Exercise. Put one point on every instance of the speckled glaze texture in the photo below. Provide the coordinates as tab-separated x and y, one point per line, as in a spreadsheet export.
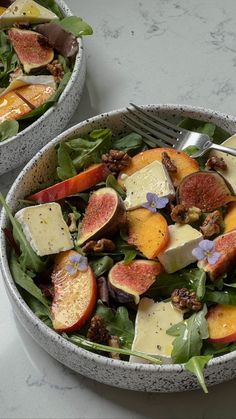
23	146
140	377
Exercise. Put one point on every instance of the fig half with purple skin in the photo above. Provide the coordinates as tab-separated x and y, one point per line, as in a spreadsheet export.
104	216
30	48
62	41
133	279
205	190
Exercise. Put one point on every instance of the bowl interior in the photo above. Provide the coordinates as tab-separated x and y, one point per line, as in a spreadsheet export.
41	169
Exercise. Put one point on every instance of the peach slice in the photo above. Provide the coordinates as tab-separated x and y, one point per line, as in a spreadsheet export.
147	231
75	295
185	164
19	102
230	218
221	321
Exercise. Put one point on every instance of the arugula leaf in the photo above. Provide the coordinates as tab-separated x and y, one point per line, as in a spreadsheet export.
130	254
65	169
118	324
216	133
89	150
188	336
111	182
131	143
196	365
76	25
25	281
8	59
221	297
165	284
8	129
92	346
101	265
190	150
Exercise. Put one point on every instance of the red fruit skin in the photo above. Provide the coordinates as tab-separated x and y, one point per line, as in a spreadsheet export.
75	296
76	184
226	246
221	318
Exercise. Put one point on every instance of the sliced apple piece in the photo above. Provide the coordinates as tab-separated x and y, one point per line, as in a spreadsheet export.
147	231
221	321
79	183
75	295
184	164
19	102
104	215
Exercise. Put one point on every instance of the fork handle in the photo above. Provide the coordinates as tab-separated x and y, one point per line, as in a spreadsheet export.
227	150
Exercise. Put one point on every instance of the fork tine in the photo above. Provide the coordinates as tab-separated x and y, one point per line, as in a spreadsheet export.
160	128
153	141
158	119
165	133
168	141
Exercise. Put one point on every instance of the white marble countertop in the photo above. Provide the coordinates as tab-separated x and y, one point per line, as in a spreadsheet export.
152	51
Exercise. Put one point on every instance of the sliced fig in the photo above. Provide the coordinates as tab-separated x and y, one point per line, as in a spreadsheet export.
205	190
63	42
133	279
226	246
104	216
31	48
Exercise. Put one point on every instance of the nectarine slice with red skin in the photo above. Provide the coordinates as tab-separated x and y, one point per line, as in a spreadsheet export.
221	321
75	295
226	246
148	232
185	164
79	183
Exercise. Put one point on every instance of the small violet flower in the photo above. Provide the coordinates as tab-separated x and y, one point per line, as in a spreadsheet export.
78	263
205	250
154	202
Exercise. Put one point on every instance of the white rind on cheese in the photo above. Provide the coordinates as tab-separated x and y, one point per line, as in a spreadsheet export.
230	173
152	178
45	228
178	254
25	11
152	322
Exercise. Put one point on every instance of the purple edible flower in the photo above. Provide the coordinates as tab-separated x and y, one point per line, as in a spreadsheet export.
205	250
154	202
78	263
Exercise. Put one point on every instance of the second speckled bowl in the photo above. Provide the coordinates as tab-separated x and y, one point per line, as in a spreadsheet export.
20	148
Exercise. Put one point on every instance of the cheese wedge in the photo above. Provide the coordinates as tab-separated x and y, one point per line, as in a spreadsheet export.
25	11
152	322
45	228
21	81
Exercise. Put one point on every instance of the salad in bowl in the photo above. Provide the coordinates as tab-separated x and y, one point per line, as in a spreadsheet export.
40	56
128	250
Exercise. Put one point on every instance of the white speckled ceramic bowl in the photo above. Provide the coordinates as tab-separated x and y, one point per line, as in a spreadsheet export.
20	148
142	377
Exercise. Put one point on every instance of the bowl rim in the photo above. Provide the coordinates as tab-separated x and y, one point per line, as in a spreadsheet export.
75	72
11	286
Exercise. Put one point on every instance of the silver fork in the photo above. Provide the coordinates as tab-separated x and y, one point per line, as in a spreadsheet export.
159	132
